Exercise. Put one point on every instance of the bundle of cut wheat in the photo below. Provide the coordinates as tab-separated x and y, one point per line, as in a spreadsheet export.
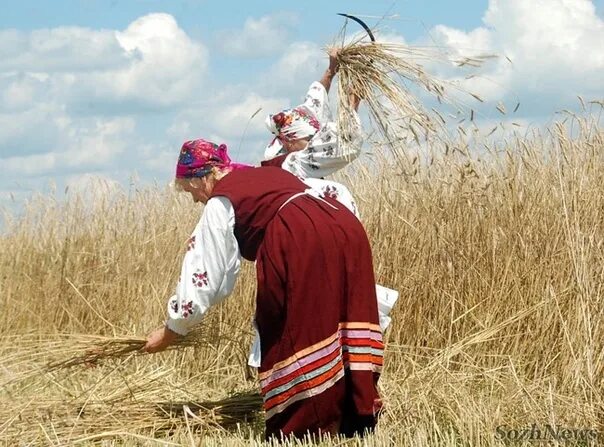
90	350
40	354
382	74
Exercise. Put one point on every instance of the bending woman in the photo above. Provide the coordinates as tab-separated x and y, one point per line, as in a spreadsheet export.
316	308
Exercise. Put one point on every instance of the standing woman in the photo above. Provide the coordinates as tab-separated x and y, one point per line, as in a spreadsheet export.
307	143
306	140
316	308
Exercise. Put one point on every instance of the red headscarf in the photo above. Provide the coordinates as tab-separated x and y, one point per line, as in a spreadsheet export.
198	158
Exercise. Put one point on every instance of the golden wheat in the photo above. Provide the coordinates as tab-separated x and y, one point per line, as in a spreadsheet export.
498	254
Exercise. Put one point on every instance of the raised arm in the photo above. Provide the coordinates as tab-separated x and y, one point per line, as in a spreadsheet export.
327	78
332	69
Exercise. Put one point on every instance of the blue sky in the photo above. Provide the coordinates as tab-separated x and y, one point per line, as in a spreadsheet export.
200	18
100	89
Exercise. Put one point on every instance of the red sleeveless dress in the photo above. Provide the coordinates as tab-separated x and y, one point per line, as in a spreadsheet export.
316	308
276	161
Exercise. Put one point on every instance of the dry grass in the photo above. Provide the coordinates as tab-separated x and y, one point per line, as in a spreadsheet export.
498	254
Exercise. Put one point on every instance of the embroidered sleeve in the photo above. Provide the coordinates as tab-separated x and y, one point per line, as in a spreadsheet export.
327	152
317	100
209	269
334	190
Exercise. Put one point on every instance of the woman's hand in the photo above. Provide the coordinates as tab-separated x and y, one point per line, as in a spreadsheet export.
332	69
160	339
334	65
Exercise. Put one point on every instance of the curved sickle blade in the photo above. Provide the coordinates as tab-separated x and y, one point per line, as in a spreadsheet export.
360	22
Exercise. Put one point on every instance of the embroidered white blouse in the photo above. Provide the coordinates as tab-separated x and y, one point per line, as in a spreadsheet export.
327	152
209	269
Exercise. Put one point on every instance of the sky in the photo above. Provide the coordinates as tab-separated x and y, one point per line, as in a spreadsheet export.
107	90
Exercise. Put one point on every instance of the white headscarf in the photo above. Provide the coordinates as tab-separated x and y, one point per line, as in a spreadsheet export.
290	124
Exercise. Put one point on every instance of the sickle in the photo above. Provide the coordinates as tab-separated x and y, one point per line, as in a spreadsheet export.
360	22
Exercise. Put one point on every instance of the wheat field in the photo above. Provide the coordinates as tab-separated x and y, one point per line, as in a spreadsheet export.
497	251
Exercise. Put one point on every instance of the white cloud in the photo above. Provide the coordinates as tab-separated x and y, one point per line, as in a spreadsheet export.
166	65
92	143
226	114
229	117
19	94
29	165
33	130
259	37
93	188
232	119
299	65
68	94
151	64
160	160
60	49
99	143
554	48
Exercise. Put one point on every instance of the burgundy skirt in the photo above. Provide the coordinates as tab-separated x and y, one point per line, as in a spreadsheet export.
317	316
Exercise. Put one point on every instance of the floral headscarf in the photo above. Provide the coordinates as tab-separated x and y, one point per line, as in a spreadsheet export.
198	158
291	124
